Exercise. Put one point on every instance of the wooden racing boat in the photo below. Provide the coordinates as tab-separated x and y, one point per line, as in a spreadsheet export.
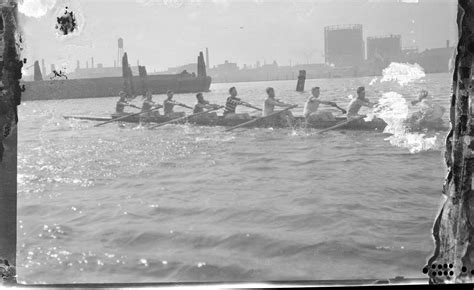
300	122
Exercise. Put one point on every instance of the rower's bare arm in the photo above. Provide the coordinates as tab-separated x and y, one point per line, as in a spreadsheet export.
279	103
328	103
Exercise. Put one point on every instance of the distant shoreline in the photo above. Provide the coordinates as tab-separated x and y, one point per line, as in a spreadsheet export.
295	79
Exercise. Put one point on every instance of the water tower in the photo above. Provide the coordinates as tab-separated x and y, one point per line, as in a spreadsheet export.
120	51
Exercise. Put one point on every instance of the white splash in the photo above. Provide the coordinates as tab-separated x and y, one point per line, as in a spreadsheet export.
393	109
403	73
35	8
373	81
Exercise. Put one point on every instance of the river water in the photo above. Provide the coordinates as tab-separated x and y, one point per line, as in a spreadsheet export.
188	203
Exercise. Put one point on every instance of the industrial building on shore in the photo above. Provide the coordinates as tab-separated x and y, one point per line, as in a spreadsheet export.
346	55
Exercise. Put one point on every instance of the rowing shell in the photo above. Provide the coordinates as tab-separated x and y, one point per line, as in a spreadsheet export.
374	125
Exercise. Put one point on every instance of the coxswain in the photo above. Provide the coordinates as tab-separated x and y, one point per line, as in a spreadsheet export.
270	103
231	104
356	104
427	111
169	104
311	106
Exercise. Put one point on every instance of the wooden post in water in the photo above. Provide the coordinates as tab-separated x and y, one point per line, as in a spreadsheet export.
9	100
143	78
452	228
127	77
301	80
37	76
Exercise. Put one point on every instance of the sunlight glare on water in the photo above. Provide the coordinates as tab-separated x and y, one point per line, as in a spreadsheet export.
190	203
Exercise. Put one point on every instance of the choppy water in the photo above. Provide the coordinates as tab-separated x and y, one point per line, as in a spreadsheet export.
187	203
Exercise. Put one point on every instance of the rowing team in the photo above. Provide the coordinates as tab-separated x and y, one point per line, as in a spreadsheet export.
427	111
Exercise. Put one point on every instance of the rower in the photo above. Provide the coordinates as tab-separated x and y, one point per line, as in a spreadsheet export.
270	103
428	112
231	105
202	105
148	105
122	103
168	105
311	106
356	104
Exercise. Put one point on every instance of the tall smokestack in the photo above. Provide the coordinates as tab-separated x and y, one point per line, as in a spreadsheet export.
207	58
447	43
43	67
78	65
201	67
92	62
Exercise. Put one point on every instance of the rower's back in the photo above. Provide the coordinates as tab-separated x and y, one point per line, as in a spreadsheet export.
168	106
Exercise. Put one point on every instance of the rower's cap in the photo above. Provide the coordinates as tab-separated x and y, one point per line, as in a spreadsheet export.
169	92
360	89
231	89
269	89
199	95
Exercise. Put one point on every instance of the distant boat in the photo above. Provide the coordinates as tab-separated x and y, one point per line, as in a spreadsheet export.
111	86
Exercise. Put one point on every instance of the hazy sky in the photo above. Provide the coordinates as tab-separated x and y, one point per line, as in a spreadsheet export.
165	33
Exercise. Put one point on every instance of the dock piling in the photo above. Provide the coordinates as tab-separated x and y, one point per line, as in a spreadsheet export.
301	80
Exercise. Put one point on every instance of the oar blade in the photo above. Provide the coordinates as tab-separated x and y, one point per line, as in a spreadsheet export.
260	118
124	117
183	118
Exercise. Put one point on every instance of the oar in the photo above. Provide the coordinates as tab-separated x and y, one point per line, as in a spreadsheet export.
252	107
183	118
342	110
133	106
183	105
340	124
260	118
123	117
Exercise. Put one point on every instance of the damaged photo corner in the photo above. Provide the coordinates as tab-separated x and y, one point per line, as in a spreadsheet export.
228	142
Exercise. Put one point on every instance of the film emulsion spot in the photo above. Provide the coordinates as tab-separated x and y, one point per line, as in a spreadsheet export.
110	146
464	269
66	23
